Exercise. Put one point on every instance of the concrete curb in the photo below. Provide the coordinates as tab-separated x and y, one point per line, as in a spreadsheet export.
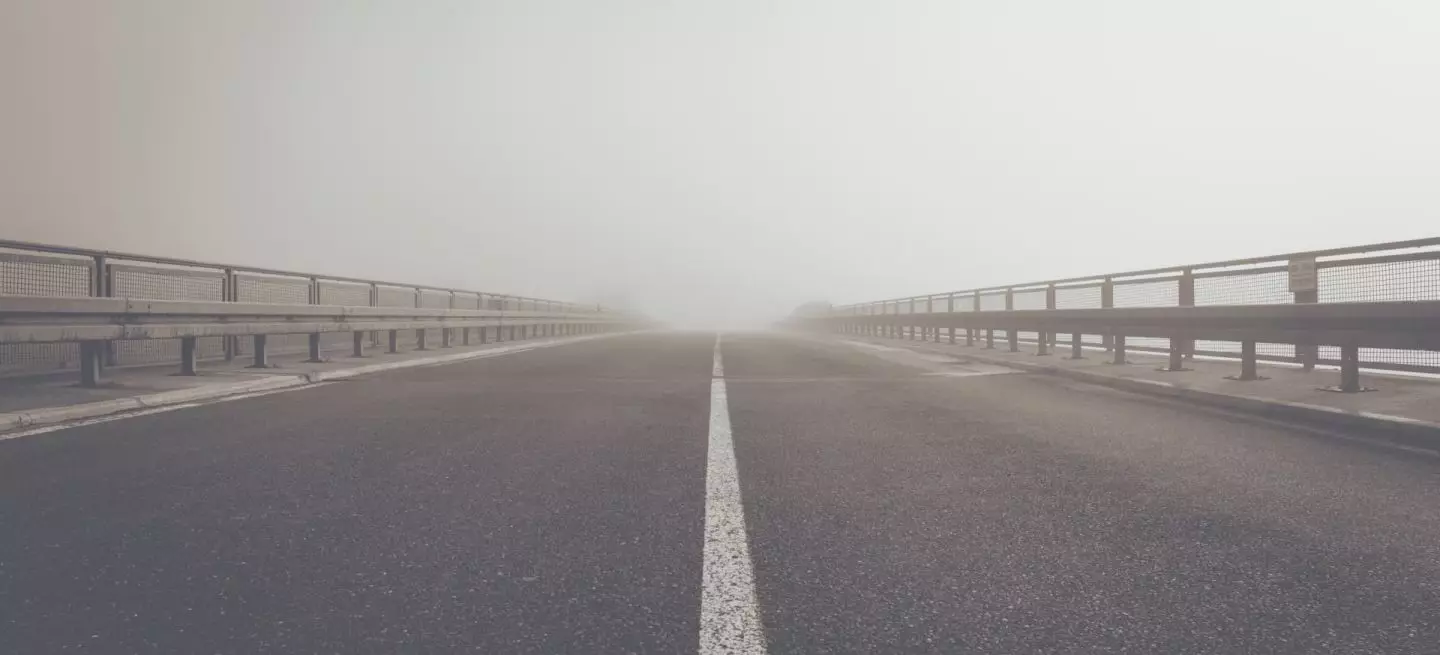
53	415
1400	430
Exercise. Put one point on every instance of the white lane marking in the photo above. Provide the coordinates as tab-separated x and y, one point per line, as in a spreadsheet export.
154	410
729	613
718	368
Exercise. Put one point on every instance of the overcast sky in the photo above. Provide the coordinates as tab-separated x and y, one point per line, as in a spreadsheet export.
718	162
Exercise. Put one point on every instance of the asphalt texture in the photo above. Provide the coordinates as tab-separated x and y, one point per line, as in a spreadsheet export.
553	502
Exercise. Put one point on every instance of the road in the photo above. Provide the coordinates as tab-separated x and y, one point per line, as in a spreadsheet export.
555	501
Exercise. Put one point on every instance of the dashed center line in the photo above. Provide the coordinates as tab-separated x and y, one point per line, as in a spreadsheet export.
729	613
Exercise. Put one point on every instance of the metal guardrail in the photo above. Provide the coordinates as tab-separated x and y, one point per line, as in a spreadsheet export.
52	271
1346	326
1381	272
95	322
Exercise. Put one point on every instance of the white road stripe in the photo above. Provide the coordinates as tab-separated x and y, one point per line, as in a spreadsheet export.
718	368
729	615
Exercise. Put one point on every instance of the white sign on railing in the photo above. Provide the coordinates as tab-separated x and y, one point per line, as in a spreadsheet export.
1303	276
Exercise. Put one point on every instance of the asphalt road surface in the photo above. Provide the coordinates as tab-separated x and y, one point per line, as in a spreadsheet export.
556	501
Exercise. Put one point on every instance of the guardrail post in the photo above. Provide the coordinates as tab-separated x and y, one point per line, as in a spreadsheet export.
420	339
314	337
262	355
989	338
358	348
1247	363
970	331
1350	370
1177	354
1012	334
315	357
950	309
374	302
187	356
1187	299
100	287
1307	353
1107	301
910	320
1050	305
1075	341
91	362
228	294
394	342
444	337
1119	346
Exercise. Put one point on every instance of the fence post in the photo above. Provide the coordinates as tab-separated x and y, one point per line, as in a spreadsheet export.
102	287
1012	334
229	292
1050	305
911	319
374	302
262	358
1187	299
315	357
1107	301
931	330
92	355
950	309
1307	353
970	331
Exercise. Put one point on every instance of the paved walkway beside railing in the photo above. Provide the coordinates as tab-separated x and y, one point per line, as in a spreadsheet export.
39	400
1407	406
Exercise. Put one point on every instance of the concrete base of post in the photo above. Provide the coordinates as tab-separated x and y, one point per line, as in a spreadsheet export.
188	356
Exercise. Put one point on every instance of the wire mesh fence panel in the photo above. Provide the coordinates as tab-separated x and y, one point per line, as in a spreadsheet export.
395	297
158	283
1378	282
272	290
346	294
1156	293
1270	288
434	299
128	281
1078	297
1405	280
1031	299
467	301
1265	288
990	302
40	275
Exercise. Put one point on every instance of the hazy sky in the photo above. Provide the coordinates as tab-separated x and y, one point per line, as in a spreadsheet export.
718	162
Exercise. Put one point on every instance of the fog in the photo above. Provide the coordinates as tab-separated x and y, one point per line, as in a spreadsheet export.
717	163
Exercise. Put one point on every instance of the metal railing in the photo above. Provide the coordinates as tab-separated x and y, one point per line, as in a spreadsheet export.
49	271
1403	271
